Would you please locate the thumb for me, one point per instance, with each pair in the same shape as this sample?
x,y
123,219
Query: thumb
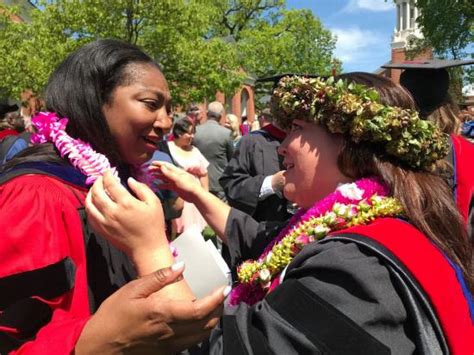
x,y
155,281
142,191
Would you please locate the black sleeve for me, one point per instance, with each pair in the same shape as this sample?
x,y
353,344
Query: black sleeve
x,y
240,180
247,238
229,148
334,299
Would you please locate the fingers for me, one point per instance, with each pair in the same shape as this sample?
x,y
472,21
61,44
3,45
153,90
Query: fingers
x,y
143,192
201,309
165,168
114,189
94,214
98,196
154,282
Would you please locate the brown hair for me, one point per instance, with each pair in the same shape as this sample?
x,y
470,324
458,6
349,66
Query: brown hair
x,y
426,197
446,116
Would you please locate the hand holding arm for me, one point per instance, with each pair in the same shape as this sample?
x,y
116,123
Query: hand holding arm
x,y
134,225
140,319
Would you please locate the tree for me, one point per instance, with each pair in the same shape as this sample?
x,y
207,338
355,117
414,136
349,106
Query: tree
x,y
235,16
204,46
448,29
172,32
296,43
447,26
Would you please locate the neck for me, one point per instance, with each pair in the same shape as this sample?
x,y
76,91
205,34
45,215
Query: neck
x,y
182,145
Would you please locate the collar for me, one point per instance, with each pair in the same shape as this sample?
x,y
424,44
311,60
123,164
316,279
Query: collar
x,y
274,131
7,132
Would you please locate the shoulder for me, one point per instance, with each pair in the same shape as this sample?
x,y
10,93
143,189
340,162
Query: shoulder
x,y
39,220
462,146
45,190
355,287
337,255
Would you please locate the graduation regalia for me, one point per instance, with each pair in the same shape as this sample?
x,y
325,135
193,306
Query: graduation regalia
x,y
463,189
352,293
54,271
256,158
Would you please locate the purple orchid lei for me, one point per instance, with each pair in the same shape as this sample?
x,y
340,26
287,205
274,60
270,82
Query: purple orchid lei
x,y
51,128
351,204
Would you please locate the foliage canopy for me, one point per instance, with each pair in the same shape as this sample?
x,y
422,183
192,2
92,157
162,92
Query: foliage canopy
x,y
204,46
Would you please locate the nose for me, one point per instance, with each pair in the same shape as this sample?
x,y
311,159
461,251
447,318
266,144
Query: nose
x,y
282,148
163,120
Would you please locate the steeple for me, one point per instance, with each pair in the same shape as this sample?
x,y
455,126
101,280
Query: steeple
x,y
406,28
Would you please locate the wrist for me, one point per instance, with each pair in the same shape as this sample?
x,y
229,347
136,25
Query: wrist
x,y
149,260
197,194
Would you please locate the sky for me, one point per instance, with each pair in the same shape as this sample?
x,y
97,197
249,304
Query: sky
x,y
363,28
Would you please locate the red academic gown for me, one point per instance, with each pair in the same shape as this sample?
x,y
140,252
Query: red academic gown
x,y
46,296
463,161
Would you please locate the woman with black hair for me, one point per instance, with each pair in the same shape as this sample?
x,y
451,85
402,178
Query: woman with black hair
x,y
190,159
64,288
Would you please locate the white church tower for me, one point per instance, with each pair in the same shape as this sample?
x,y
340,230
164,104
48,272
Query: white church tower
x,y
406,26
406,30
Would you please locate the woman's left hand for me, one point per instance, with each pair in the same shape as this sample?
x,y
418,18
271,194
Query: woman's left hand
x,y
134,225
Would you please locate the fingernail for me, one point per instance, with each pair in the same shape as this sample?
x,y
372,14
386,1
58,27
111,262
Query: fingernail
x,y
177,266
132,179
227,290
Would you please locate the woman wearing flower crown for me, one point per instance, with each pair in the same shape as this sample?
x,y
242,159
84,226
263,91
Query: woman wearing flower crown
x,y
63,288
376,261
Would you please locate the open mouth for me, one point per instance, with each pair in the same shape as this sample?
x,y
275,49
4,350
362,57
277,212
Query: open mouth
x,y
288,166
151,140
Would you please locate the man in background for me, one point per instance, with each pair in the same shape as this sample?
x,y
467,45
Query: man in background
x,y
216,144
253,180
195,114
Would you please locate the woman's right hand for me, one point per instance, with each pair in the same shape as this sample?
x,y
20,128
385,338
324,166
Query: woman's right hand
x,y
176,179
136,319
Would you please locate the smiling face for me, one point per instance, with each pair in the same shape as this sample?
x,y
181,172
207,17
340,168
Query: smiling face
x,y
186,139
138,113
310,158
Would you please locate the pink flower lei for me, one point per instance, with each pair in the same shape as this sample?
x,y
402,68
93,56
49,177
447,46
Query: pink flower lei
x,y
351,204
51,128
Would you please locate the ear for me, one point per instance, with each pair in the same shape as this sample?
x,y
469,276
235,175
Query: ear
x,y
339,143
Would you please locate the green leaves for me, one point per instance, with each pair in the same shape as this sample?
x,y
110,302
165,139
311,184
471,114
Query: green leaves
x,y
356,112
204,46
448,28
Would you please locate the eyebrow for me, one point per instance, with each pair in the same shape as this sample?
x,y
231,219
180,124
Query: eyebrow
x,y
158,93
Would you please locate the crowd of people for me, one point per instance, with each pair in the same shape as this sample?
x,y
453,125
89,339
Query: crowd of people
x,y
346,217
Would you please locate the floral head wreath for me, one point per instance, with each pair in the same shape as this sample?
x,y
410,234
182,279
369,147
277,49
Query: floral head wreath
x,y
355,111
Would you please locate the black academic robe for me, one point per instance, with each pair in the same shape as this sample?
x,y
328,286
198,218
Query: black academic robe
x,y
337,297
242,179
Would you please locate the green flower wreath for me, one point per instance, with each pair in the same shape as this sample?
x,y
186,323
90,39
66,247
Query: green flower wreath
x,y
355,111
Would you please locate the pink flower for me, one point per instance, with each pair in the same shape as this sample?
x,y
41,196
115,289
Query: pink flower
x,y
343,199
81,155
303,239
48,125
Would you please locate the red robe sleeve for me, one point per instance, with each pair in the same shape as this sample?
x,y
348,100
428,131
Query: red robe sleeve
x,y
40,227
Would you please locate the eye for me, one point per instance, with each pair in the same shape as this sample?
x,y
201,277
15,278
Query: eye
x,y
154,103
151,104
295,126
